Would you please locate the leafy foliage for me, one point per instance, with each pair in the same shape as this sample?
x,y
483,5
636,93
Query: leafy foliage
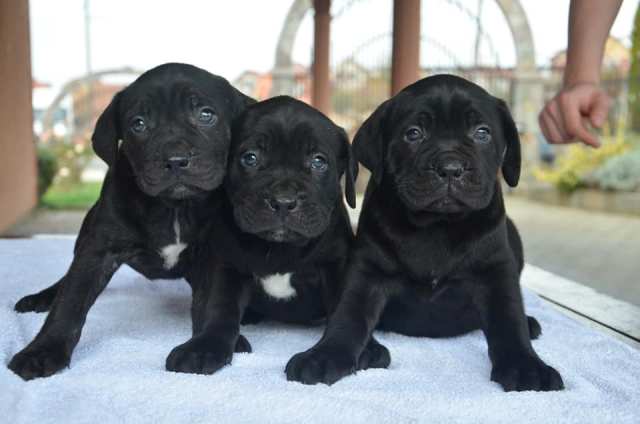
x,y
73,159
620,173
578,162
634,75
47,169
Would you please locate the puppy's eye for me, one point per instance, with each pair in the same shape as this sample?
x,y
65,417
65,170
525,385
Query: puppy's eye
x,y
138,125
249,159
413,135
319,163
482,135
207,116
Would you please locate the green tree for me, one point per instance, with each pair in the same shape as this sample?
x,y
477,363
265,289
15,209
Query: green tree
x,y
634,75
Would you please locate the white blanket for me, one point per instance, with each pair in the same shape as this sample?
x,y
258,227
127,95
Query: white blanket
x,y
117,371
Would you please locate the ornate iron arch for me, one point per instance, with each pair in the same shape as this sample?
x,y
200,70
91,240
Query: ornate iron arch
x,y
283,69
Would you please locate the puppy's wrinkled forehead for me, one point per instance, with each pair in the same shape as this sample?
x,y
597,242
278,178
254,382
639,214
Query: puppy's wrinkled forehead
x,y
161,99
297,127
171,88
446,103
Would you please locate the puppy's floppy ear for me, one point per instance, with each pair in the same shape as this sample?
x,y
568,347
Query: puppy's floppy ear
x,y
351,169
107,132
368,144
241,102
511,162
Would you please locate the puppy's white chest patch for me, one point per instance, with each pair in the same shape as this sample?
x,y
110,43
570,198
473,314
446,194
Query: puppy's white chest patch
x,y
171,253
278,286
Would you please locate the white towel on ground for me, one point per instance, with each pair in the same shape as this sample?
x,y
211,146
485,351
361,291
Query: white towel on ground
x,y
117,370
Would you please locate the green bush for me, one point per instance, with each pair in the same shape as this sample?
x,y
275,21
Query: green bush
x,y
574,167
47,169
634,74
620,173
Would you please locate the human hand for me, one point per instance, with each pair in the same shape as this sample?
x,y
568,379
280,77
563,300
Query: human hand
x,y
564,118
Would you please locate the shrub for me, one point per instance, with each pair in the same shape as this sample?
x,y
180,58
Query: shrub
x,y
576,165
634,74
72,157
47,169
619,173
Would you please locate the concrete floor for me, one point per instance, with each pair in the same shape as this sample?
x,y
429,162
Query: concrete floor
x,y
599,250
596,249
45,221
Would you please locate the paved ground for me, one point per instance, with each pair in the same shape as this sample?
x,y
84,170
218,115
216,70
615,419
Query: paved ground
x,y
43,221
596,249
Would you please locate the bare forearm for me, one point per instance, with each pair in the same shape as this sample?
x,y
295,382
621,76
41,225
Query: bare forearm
x,y
589,25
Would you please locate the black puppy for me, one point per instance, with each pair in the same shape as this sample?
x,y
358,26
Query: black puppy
x,y
280,243
435,254
166,139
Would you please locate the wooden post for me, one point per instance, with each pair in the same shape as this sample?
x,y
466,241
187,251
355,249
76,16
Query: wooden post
x,y
405,56
321,90
18,173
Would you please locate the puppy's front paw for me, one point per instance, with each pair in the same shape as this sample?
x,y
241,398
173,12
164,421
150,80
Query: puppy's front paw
x,y
526,373
39,302
374,355
39,361
199,356
320,366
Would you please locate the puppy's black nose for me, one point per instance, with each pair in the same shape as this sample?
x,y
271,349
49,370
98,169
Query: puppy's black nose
x,y
283,204
450,169
177,163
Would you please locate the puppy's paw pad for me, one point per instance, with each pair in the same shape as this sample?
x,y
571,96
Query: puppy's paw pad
x,y
33,363
374,355
316,366
242,345
38,302
198,357
526,374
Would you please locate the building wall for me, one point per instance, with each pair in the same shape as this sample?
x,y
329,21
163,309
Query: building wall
x,y
18,173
